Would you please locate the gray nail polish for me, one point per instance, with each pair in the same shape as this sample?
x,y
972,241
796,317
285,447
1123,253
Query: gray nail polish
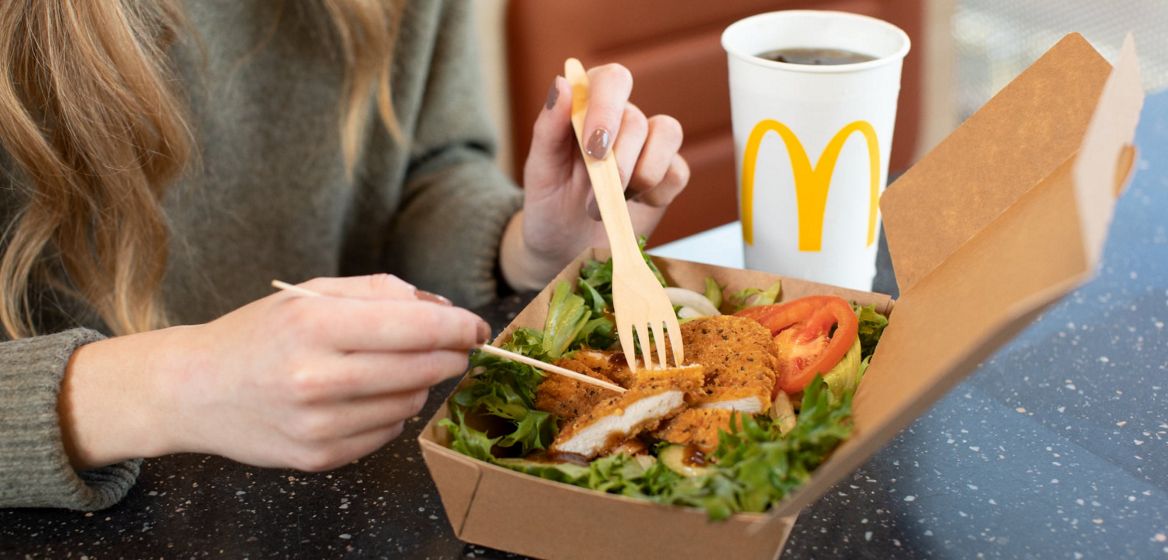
x,y
598,143
553,96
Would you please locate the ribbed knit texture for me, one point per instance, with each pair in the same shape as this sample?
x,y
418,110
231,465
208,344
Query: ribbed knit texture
x,y
268,197
34,470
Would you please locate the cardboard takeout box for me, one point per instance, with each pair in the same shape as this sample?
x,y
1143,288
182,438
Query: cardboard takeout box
x,y
1002,219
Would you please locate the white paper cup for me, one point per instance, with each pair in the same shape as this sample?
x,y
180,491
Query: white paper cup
x,y
812,142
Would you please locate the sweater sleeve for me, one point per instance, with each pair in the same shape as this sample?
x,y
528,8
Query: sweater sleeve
x,y
455,201
34,469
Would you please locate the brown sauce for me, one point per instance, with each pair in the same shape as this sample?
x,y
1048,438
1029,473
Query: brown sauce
x,y
693,457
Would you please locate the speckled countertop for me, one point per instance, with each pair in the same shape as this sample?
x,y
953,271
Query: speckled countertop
x,y
1057,447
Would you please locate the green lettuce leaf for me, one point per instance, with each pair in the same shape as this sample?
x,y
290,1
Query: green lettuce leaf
x,y
872,325
567,315
752,297
714,292
599,333
844,378
506,390
526,341
534,431
597,275
468,441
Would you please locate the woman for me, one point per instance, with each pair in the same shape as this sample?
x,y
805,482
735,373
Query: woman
x,y
164,161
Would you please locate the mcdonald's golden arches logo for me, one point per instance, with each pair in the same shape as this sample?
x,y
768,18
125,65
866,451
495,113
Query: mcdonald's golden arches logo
x,y
811,183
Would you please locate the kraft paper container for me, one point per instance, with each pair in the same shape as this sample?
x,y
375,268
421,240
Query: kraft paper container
x,y
1001,220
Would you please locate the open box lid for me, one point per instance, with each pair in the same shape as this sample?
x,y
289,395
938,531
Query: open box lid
x,y
1003,218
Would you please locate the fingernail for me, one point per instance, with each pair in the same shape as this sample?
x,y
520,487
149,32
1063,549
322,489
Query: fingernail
x,y
431,297
593,209
553,96
484,332
598,143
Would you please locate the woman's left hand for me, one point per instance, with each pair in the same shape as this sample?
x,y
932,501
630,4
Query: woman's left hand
x,y
559,217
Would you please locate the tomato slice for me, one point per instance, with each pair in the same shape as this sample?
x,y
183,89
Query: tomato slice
x,y
802,329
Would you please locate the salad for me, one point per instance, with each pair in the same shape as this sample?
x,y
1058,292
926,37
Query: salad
x,y
767,399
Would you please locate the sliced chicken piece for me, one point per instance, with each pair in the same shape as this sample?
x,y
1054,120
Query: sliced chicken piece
x,y
740,360
741,369
697,427
690,378
610,364
567,398
631,446
615,419
750,400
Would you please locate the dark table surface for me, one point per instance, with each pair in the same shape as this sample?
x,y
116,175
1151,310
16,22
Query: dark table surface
x,y
1057,447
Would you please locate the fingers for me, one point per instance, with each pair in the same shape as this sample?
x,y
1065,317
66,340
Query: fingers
x,y
329,422
374,286
608,90
663,140
631,143
553,143
316,458
675,179
634,130
380,325
367,374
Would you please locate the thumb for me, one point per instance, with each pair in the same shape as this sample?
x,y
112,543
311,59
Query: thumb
x,y
553,142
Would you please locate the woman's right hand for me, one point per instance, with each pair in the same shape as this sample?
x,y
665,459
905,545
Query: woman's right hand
x,y
310,383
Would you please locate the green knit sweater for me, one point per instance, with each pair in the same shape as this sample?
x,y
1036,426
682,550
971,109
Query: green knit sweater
x,y
267,197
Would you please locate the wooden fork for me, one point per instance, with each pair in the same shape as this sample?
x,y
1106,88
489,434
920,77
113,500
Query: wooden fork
x,y
639,301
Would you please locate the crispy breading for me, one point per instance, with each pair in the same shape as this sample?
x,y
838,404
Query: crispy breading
x,y
741,368
697,427
652,398
610,364
567,398
740,360
631,446
690,378
735,367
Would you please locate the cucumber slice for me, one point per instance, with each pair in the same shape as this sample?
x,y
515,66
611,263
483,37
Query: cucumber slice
x,y
675,457
558,471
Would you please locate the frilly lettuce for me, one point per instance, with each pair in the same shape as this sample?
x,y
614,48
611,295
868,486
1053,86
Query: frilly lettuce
x,y
844,378
752,297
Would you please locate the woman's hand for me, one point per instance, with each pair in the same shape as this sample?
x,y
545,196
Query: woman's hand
x,y
310,383
559,217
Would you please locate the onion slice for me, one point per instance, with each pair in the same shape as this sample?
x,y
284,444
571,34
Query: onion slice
x,y
687,312
692,300
783,413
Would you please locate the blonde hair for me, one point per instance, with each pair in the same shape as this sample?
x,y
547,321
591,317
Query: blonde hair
x,y
96,131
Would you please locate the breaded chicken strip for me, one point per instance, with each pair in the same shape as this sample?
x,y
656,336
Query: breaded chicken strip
x,y
697,427
612,365
567,398
740,360
631,446
617,418
741,369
